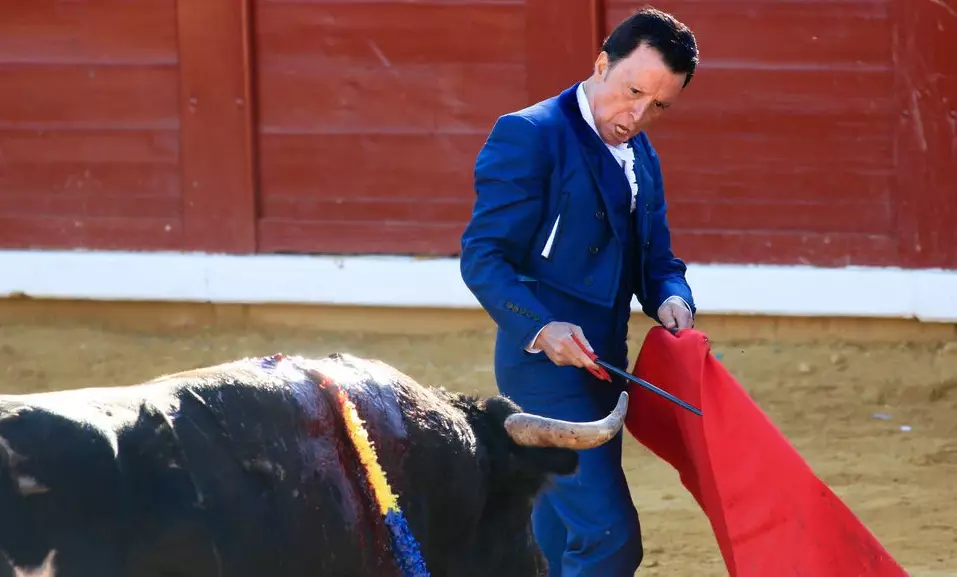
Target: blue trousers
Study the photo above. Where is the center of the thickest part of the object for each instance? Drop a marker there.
(586, 524)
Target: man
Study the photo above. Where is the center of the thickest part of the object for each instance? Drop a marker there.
(570, 222)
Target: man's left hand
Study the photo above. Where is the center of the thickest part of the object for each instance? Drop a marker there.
(675, 315)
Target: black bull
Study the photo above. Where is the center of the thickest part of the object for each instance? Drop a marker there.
(246, 469)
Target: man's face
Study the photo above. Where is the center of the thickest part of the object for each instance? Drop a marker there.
(627, 97)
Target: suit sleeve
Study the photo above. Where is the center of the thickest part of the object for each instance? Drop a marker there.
(665, 273)
(511, 173)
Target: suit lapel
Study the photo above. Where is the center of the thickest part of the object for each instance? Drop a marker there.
(608, 176)
(642, 180)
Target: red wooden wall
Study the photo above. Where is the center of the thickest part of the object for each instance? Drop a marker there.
(123, 125)
(371, 115)
(89, 125)
(815, 132)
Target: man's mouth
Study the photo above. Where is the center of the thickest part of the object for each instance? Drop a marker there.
(621, 131)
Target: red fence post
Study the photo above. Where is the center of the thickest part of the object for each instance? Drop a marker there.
(925, 137)
(217, 126)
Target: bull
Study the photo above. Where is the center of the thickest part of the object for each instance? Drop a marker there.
(247, 469)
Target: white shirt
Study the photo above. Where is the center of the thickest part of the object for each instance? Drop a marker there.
(625, 156)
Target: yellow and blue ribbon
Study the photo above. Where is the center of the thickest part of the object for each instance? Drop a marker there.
(406, 549)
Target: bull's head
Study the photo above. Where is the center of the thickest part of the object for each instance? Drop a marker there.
(521, 452)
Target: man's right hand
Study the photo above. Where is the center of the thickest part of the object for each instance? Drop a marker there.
(556, 341)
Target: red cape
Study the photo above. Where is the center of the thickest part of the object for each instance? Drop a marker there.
(770, 513)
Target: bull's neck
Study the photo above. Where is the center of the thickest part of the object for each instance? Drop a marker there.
(404, 545)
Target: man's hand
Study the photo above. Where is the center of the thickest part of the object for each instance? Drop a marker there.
(557, 342)
(675, 315)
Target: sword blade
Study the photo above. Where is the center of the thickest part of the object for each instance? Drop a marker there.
(643, 383)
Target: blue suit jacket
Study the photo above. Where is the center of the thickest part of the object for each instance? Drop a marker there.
(545, 162)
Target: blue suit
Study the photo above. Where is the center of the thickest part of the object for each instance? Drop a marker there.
(552, 238)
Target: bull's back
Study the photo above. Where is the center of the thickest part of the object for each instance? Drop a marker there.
(224, 471)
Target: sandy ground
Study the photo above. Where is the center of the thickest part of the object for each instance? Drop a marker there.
(824, 398)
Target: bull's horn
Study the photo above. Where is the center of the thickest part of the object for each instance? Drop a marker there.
(536, 431)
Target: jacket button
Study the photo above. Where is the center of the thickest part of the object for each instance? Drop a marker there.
(593, 249)
(588, 281)
(600, 215)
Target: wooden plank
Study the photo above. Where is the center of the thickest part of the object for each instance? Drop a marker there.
(562, 38)
(823, 33)
(89, 203)
(92, 189)
(91, 32)
(351, 209)
(88, 96)
(89, 147)
(742, 92)
(219, 198)
(773, 151)
(692, 120)
(823, 216)
(120, 233)
(785, 248)
(299, 236)
(925, 132)
(686, 181)
(420, 166)
(388, 34)
(328, 98)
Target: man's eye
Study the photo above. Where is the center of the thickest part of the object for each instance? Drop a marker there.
(634, 91)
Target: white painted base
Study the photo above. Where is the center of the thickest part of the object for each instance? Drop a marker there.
(928, 295)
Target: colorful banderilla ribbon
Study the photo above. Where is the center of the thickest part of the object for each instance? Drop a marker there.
(406, 548)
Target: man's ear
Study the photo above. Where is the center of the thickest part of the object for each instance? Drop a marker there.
(601, 65)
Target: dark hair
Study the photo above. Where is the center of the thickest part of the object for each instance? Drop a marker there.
(659, 30)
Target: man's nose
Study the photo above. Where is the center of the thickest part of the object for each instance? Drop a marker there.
(639, 110)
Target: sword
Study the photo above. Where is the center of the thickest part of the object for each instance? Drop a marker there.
(643, 383)
(636, 380)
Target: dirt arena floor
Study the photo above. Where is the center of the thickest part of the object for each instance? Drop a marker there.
(894, 470)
